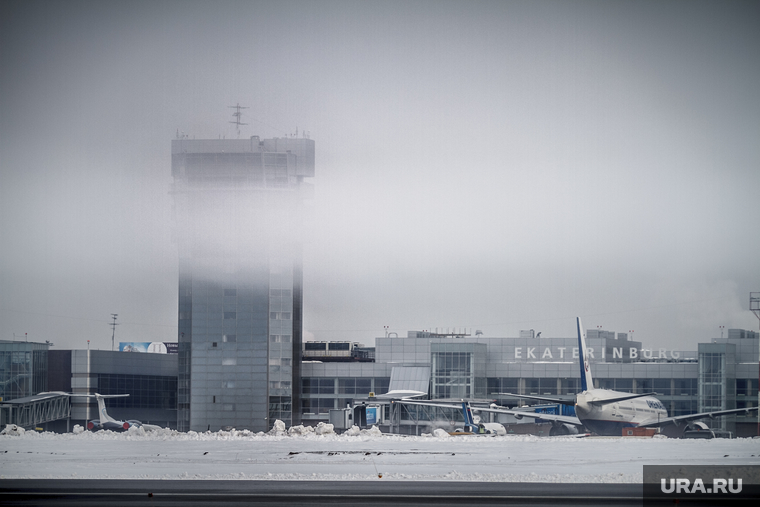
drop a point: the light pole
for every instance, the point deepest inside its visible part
(113, 325)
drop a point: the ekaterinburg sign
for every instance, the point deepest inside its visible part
(538, 353)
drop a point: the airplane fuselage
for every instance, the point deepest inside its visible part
(96, 424)
(611, 418)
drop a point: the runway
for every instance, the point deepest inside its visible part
(76, 492)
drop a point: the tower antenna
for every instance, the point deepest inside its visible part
(113, 326)
(238, 116)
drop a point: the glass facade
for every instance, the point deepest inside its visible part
(458, 370)
(712, 388)
(145, 391)
(23, 369)
(225, 376)
(280, 357)
(452, 375)
(717, 379)
(319, 395)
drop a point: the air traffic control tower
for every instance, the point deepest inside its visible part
(239, 211)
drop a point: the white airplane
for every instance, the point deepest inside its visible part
(607, 412)
(106, 422)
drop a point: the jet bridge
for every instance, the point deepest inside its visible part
(31, 411)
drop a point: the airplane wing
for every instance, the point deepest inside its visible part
(457, 406)
(564, 419)
(536, 415)
(567, 419)
(607, 401)
(400, 394)
(539, 398)
(602, 401)
(61, 393)
(50, 394)
(653, 423)
(102, 395)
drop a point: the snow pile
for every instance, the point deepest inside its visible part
(353, 431)
(440, 433)
(12, 429)
(325, 429)
(77, 429)
(374, 431)
(278, 428)
(233, 433)
(136, 430)
(300, 430)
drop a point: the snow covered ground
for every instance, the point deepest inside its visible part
(168, 454)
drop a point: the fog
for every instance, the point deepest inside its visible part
(490, 166)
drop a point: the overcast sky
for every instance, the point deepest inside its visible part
(491, 166)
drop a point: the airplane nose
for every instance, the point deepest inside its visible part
(125, 426)
(90, 425)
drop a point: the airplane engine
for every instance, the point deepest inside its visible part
(563, 429)
(495, 429)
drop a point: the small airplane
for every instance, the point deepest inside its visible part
(607, 412)
(106, 422)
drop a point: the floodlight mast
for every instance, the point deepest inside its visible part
(754, 307)
(113, 328)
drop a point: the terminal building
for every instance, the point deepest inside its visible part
(28, 369)
(719, 375)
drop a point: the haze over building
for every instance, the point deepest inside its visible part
(239, 216)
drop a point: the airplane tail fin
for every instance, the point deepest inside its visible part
(587, 382)
(104, 417)
(102, 413)
(467, 411)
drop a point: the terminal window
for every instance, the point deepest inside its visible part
(145, 391)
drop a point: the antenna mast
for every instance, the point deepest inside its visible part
(113, 326)
(237, 115)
